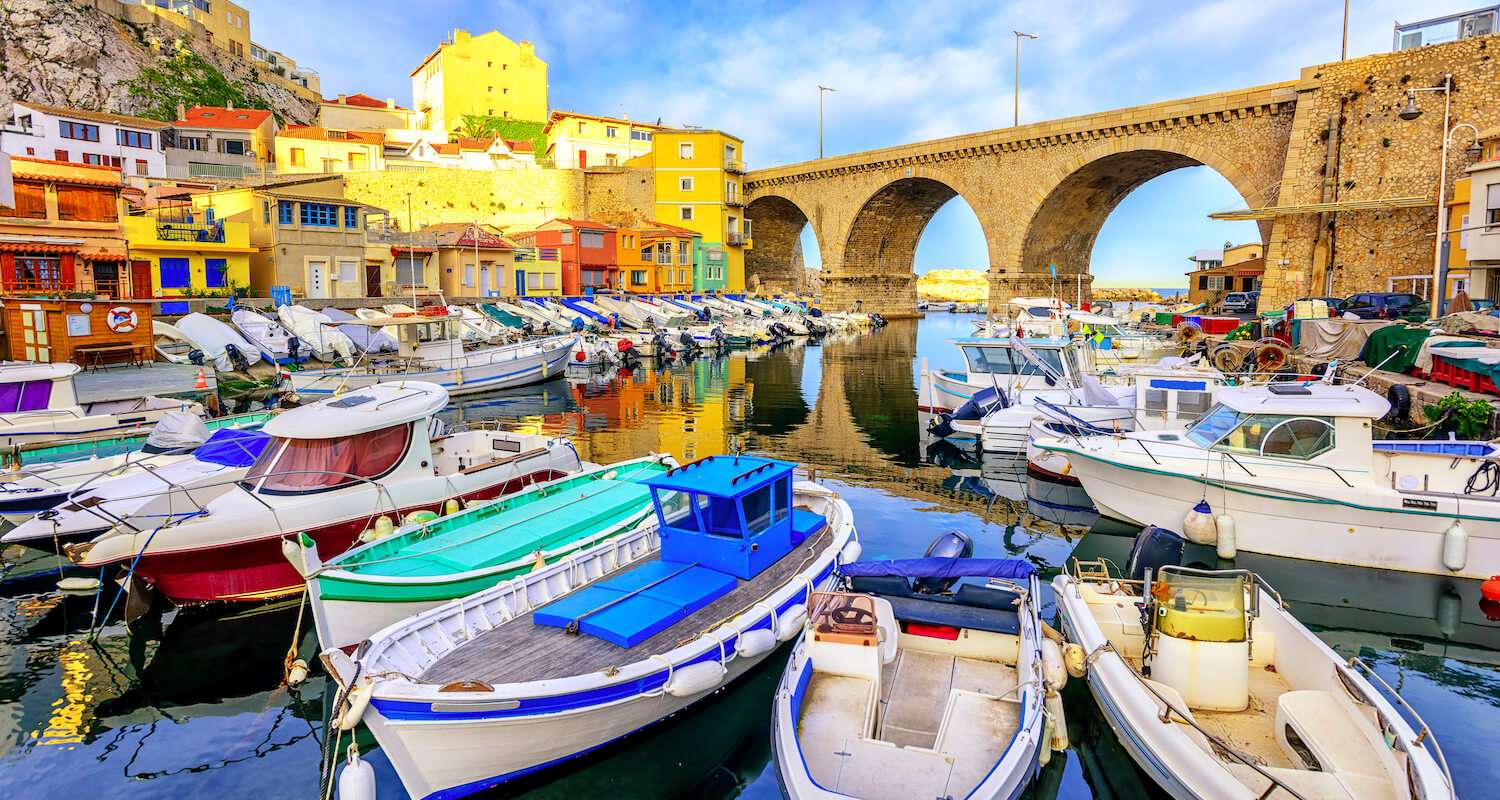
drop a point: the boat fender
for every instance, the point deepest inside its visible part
(789, 623)
(1198, 524)
(1054, 706)
(297, 673)
(1075, 659)
(851, 552)
(1224, 526)
(695, 679)
(357, 781)
(1053, 667)
(78, 584)
(452, 506)
(359, 700)
(1455, 547)
(758, 642)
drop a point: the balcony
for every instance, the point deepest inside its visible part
(734, 166)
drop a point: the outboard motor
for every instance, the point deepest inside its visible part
(1154, 548)
(237, 358)
(975, 408)
(953, 544)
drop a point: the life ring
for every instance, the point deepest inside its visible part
(122, 319)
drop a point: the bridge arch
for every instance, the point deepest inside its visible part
(775, 262)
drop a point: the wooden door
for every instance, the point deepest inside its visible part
(140, 280)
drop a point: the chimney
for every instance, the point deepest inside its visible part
(181, 111)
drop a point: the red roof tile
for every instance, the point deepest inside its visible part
(215, 117)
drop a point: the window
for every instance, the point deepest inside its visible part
(320, 215)
(38, 272)
(610, 131)
(285, 212)
(301, 466)
(592, 240)
(78, 130)
(31, 201)
(685, 184)
(174, 273)
(86, 205)
(234, 147)
(685, 150)
(215, 273)
(638, 277)
(133, 139)
(299, 157)
(686, 212)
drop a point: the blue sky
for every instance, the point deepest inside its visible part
(753, 69)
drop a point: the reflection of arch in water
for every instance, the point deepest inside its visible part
(780, 405)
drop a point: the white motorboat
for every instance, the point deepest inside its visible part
(432, 350)
(38, 403)
(318, 332)
(1221, 693)
(331, 470)
(573, 655)
(901, 687)
(223, 345)
(1292, 470)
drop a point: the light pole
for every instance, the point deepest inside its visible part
(1410, 112)
(1019, 35)
(821, 90)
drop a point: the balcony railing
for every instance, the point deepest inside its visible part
(185, 232)
(734, 165)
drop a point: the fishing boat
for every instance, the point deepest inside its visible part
(1216, 691)
(275, 343)
(331, 469)
(1291, 469)
(429, 563)
(432, 350)
(577, 654)
(39, 403)
(902, 687)
(318, 332)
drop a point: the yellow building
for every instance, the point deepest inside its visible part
(191, 252)
(583, 140)
(305, 149)
(699, 177)
(485, 75)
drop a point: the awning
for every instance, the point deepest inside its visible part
(1271, 212)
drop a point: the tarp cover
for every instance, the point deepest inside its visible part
(1329, 339)
(232, 447)
(940, 568)
(1394, 349)
(176, 430)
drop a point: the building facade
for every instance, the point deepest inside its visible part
(699, 187)
(187, 252)
(220, 142)
(133, 145)
(64, 233)
(580, 141)
(486, 75)
(312, 150)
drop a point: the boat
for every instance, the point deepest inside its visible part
(39, 404)
(1216, 690)
(276, 344)
(429, 563)
(364, 338)
(221, 344)
(575, 655)
(902, 687)
(171, 344)
(432, 350)
(1291, 469)
(332, 469)
(318, 332)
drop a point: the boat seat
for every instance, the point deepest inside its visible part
(1328, 728)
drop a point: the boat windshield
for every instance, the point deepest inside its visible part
(305, 466)
(1279, 435)
(992, 360)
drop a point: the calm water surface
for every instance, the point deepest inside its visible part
(187, 704)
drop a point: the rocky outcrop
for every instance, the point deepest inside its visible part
(78, 55)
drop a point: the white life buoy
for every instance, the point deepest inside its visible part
(755, 643)
(789, 624)
(122, 319)
(695, 679)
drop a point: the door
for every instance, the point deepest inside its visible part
(317, 279)
(372, 279)
(520, 283)
(140, 280)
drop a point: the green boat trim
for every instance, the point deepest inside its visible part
(478, 547)
(114, 445)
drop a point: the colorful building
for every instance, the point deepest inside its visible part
(699, 186)
(486, 75)
(308, 149)
(220, 142)
(587, 250)
(64, 232)
(583, 140)
(188, 251)
(131, 144)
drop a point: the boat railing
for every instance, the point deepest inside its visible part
(1424, 731)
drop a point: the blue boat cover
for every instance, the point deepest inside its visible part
(232, 447)
(631, 608)
(940, 568)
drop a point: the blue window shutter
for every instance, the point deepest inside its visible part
(216, 272)
(175, 273)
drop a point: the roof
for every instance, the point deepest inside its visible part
(1323, 399)
(558, 116)
(218, 117)
(95, 116)
(362, 100)
(315, 133)
(723, 476)
(360, 411)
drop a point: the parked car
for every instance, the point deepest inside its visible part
(1240, 302)
(1380, 305)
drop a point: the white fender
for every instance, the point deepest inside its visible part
(851, 552)
(695, 679)
(359, 700)
(1053, 668)
(789, 624)
(755, 643)
(357, 781)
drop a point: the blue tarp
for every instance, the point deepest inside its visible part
(1011, 568)
(232, 447)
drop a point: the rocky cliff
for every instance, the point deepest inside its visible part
(79, 55)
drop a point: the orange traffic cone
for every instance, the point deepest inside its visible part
(202, 382)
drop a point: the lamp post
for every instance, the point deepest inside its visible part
(1017, 119)
(1410, 112)
(821, 90)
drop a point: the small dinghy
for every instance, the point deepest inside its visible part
(318, 332)
(1216, 691)
(902, 686)
(574, 655)
(275, 343)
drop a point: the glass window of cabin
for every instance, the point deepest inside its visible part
(757, 506)
(1213, 426)
(305, 466)
(783, 495)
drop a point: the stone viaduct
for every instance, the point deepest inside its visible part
(1041, 192)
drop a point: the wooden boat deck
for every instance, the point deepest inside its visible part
(520, 651)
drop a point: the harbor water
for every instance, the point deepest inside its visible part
(189, 703)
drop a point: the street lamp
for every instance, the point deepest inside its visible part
(821, 90)
(1410, 112)
(1019, 35)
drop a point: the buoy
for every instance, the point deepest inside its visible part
(1490, 589)
(1455, 547)
(1224, 527)
(359, 700)
(1075, 660)
(357, 781)
(78, 584)
(1054, 706)
(451, 507)
(755, 643)
(297, 674)
(1053, 669)
(789, 623)
(201, 382)
(695, 679)
(1198, 524)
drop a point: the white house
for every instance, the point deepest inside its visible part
(133, 144)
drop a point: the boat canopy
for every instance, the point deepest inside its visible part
(955, 567)
(360, 411)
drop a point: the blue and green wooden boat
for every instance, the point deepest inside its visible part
(428, 563)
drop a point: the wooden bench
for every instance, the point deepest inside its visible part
(94, 356)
